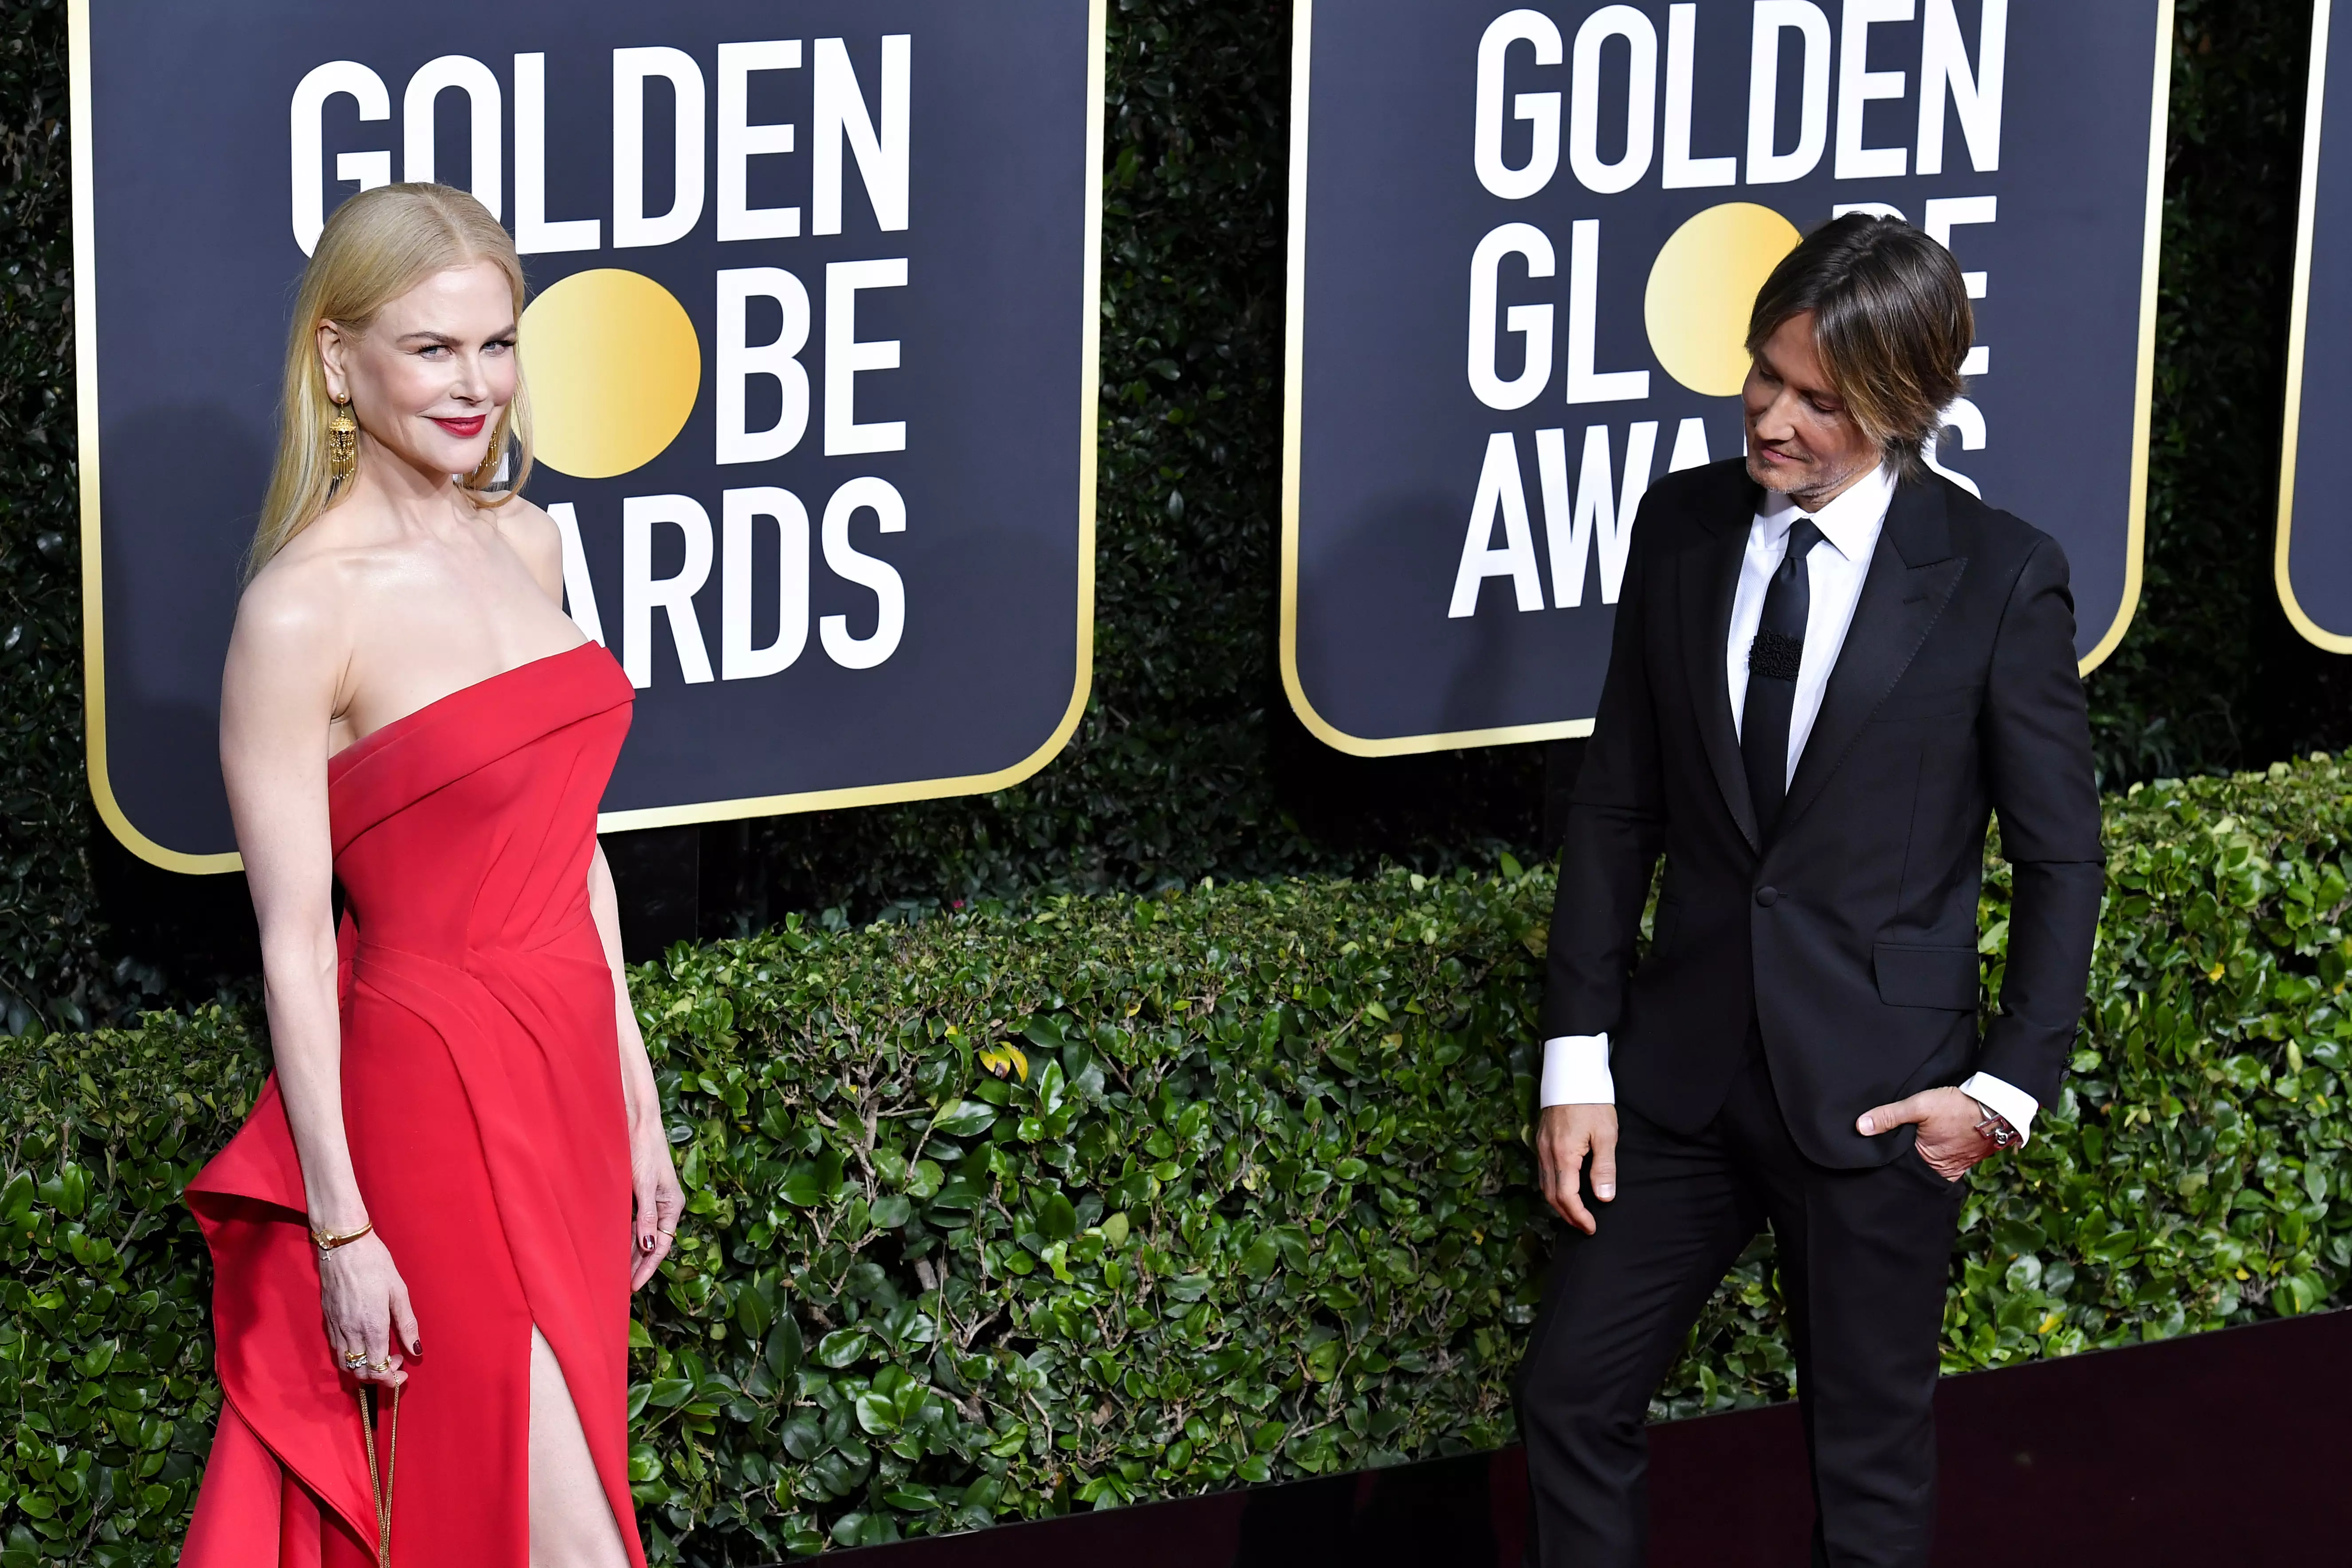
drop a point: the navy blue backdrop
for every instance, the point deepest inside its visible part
(190, 246)
(2315, 539)
(2050, 129)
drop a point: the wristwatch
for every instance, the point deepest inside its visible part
(1996, 1127)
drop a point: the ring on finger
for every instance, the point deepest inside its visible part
(384, 1365)
(355, 1359)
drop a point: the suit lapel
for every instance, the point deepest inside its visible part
(1911, 577)
(1710, 579)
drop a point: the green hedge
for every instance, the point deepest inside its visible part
(1011, 1213)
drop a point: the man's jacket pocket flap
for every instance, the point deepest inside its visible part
(1926, 976)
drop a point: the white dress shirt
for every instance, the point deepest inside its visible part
(1576, 1067)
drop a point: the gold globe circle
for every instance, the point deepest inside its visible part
(613, 368)
(1702, 288)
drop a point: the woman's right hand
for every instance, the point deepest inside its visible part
(365, 1304)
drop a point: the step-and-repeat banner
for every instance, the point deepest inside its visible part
(811, 353)
(1523, 244)
(2315, 524)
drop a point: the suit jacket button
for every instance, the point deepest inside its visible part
(1768, 897)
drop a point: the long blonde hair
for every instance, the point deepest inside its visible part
(378, 245)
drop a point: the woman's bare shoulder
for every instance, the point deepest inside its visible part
(532, 534)
(297, 608)
(522, 521)
(331, 574)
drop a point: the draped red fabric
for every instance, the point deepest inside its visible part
(482, 1098)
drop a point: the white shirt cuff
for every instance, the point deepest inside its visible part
(1575, 1072)
(2003, 1099)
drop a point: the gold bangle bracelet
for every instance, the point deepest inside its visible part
(326, 1241)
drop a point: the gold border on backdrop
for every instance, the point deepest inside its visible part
(1302, 54)
(93, 597)
(92, 588)
(2308, 206)
(1293, 366)
(2144, 392)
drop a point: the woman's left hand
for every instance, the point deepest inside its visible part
(659, 1201)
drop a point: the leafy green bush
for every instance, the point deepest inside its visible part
(105, 1344)
(1014, 1212)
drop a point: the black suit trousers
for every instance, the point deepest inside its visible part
(1864, 1256)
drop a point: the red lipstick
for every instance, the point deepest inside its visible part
(464, 429)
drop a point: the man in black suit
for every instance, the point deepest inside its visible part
(1830, 666)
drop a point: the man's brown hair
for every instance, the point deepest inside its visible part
(1891, 322)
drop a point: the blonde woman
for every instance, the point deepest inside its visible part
(458, 1173)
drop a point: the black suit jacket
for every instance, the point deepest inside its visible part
(1851, 938)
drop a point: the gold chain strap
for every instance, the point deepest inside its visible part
(382, 1487)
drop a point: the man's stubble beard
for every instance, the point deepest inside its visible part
(1800, 485)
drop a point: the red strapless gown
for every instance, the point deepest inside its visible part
(482, 1097)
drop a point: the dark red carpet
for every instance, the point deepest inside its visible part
(2228, 1448)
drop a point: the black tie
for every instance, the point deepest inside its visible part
(1772, 662)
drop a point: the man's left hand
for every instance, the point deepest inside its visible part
(1948, 1139)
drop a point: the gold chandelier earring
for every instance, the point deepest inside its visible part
(342, 442)
(486, 472)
